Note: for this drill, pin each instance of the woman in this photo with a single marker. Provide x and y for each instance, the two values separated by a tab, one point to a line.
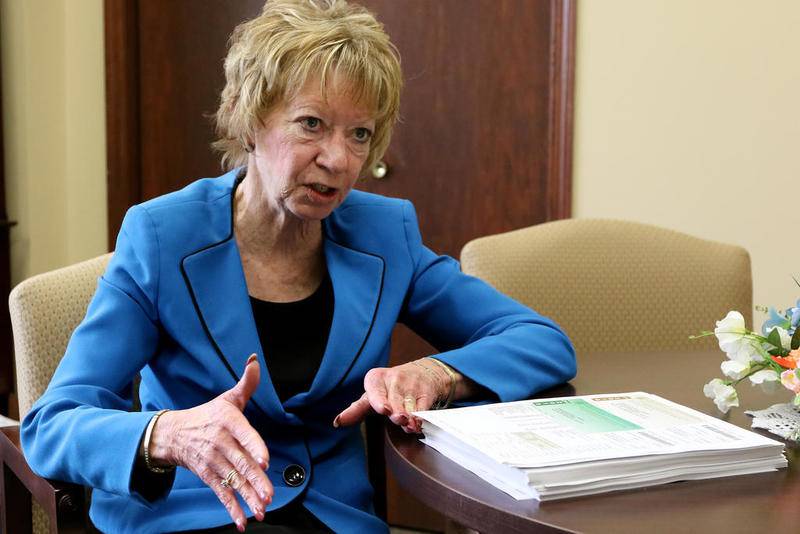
259	306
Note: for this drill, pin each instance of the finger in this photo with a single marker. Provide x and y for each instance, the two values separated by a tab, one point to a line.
398	415
229	475
424	401
410	390
355	413
251	473
239	395
249	439
241	484
376	391
225	495
410	423
402	395
413	426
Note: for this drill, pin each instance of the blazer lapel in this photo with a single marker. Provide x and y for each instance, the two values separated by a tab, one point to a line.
357	279
216	281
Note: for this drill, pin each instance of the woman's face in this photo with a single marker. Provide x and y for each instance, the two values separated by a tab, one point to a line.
310	151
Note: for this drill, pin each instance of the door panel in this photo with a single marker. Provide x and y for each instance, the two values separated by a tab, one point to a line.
180	89
471	152
163	79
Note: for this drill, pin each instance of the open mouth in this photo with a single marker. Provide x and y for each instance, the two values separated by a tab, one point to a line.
322	190
319	188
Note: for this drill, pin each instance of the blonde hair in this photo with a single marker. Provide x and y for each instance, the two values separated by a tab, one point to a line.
273	55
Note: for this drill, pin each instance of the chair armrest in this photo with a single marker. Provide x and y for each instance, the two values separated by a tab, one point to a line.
62	502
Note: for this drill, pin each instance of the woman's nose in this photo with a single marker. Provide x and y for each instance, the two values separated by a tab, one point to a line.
333	154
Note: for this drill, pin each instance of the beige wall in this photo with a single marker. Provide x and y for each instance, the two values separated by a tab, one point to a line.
688	116
54	131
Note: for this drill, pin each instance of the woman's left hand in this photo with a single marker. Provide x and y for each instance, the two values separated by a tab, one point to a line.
398	391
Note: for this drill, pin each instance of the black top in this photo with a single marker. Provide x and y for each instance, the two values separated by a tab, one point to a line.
294	336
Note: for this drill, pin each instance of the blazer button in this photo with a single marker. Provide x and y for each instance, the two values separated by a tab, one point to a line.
294	475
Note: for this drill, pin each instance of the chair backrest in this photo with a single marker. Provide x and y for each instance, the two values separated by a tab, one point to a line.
617	285
45	309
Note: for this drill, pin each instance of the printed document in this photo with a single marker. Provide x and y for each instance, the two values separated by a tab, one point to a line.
570	446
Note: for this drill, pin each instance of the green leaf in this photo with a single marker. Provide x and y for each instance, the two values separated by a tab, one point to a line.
774	339
796	339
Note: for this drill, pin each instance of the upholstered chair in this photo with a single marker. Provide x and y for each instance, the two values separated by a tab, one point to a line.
45	309
617	285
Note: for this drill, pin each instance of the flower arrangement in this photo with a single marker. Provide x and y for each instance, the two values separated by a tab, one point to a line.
764	359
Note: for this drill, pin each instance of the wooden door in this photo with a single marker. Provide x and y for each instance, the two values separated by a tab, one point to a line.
484	146
475	149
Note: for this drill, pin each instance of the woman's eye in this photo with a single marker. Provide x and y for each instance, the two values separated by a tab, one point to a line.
311	123
363	134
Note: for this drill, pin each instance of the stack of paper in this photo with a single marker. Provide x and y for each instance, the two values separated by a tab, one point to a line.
571	446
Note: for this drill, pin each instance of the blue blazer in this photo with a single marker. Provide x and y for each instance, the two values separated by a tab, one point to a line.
173	305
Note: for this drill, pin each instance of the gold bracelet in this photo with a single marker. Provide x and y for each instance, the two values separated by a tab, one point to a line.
148	433
436	377
452	375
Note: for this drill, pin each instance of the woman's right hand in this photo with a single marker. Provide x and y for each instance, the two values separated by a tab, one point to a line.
214	438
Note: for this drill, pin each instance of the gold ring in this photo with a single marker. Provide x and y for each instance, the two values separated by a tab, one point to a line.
409	401
227	482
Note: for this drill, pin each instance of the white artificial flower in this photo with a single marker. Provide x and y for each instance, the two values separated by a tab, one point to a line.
730	329
724	395
767	379
734	341
734	369
786	339
764	375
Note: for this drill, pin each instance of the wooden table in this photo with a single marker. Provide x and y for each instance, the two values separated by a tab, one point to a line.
768	502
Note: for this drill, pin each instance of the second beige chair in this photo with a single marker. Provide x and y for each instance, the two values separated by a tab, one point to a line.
617	285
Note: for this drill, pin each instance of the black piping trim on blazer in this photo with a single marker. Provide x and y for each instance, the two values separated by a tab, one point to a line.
377	304
191	291
228	238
